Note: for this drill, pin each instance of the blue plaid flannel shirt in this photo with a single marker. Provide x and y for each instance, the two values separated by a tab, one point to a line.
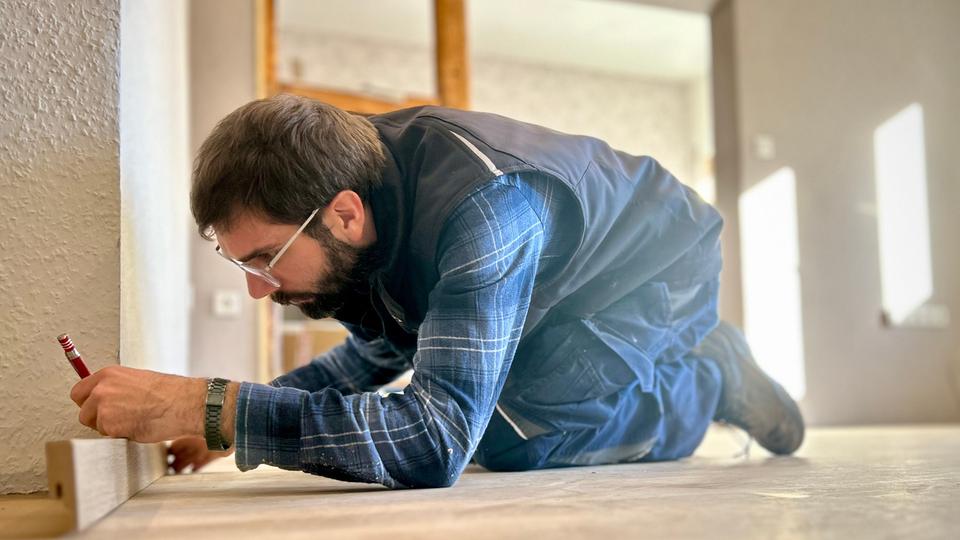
326	417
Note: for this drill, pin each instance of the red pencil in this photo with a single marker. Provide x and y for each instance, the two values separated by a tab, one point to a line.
73	356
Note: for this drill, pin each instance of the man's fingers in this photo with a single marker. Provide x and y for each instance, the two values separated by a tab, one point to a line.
182	461
88	414
183	455
179	463
181	444
81	391
190	451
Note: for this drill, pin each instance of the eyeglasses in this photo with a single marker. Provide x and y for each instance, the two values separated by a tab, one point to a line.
264	273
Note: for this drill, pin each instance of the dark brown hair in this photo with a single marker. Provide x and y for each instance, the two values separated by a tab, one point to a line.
282	157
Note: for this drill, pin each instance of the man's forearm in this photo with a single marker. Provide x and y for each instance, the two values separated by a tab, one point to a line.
353	367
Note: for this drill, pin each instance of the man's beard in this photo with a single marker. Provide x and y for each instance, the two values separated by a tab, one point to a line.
346	279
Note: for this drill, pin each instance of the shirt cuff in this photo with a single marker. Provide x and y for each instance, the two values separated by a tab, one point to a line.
268	426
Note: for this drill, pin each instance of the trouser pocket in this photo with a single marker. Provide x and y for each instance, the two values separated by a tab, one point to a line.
566	377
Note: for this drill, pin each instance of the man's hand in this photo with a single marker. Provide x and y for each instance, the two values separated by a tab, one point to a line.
192	451
141	405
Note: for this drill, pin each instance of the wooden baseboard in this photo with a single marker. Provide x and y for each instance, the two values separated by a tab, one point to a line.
33	515
91	477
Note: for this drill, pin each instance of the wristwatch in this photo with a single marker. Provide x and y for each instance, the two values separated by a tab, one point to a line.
216	393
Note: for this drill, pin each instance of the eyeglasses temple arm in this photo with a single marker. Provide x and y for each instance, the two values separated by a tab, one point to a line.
290	241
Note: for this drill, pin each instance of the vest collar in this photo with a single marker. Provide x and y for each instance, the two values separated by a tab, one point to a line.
389	204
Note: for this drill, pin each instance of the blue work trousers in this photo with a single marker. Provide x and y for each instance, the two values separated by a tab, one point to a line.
621	385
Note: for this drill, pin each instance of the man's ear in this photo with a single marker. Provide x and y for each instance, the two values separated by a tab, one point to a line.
345	216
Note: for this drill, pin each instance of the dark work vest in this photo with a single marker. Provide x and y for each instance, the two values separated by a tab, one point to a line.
636	222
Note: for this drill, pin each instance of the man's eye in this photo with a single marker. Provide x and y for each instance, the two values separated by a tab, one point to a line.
258	260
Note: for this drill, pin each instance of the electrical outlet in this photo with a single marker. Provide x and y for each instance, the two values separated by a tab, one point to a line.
226	304
764	147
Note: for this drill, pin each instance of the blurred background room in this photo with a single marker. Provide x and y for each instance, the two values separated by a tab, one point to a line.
822	130
825	131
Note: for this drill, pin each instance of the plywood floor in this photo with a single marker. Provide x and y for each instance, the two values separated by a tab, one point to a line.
898	482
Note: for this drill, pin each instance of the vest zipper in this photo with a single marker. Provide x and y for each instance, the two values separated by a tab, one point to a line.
476	151
393	308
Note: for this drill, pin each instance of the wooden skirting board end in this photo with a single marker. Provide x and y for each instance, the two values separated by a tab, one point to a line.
91	477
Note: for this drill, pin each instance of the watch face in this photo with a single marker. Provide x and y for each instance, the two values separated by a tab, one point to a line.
215	393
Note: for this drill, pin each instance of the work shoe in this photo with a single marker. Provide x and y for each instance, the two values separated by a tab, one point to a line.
750	399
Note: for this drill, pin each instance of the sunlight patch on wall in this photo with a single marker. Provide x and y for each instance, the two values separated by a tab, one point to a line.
771	280
903	221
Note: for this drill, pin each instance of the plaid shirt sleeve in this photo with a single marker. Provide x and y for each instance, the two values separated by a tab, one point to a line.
354	366
423	437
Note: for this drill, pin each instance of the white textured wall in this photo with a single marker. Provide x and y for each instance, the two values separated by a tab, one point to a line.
59	218
154	177
820	76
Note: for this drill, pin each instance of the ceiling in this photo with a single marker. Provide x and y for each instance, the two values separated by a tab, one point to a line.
613	36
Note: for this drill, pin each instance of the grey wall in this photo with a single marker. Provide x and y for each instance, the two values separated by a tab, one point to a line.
221	79
59	218
820	76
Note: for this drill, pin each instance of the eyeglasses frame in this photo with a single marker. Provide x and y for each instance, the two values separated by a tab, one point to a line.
264	273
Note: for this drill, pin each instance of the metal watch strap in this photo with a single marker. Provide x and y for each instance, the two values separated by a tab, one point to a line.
216	393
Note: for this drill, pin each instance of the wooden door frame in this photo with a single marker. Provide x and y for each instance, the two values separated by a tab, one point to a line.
451	59
452	68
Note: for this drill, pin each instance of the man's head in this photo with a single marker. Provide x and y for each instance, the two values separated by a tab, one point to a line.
261	173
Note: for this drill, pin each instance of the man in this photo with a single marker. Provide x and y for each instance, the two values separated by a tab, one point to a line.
556	300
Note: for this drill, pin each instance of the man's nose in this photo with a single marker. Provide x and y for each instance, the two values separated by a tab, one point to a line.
258	288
